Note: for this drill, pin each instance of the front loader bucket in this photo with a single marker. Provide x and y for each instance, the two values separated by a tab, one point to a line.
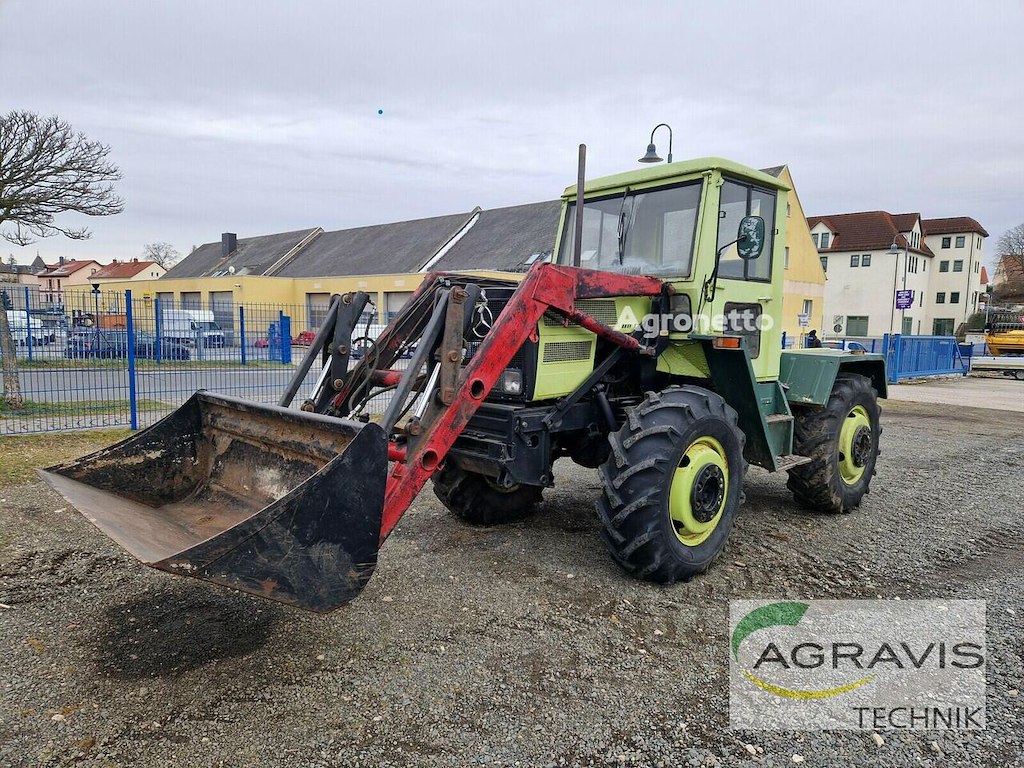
279	503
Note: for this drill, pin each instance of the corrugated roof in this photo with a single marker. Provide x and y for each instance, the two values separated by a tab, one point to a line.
864	231
252	256
952	226
379	249
504	239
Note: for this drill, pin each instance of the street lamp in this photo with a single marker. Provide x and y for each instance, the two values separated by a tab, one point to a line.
895	251
652	152
96	314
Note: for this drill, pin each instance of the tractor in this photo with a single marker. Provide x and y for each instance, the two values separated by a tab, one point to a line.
649	348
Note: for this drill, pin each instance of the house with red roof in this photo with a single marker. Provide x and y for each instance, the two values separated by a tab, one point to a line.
129	270
66	273
871	258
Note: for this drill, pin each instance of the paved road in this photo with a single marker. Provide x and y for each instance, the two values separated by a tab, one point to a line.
167	384
988	391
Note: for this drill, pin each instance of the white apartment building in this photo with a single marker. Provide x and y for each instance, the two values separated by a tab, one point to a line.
957	287
937	260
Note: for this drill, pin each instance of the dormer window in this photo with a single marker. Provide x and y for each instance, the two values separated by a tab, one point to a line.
824	240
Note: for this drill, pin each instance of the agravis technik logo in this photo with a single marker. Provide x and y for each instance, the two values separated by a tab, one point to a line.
857	664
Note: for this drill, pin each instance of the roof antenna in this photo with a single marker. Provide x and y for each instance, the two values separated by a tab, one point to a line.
578	240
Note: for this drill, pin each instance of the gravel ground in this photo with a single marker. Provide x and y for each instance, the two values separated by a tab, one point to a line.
519	645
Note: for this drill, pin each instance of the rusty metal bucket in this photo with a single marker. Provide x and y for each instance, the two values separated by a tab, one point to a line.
279	503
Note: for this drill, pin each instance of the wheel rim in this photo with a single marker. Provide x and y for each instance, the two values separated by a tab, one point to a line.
855	445
699	489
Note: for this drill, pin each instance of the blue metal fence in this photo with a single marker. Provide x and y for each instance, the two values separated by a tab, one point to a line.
93	358
909	357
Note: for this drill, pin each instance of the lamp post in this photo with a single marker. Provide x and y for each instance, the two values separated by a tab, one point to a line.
652	152
96	314
895	250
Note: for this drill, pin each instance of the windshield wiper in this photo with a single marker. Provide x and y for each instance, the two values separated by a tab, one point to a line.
623	228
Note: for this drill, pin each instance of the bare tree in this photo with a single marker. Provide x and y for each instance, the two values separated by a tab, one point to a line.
1010	250
47	169
163	254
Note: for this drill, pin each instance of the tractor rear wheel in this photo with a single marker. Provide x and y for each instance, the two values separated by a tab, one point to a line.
842	441
482	501
672	484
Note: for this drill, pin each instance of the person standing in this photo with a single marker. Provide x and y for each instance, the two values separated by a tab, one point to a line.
812	341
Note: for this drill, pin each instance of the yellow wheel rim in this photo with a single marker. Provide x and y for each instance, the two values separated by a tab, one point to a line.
700	488
855	445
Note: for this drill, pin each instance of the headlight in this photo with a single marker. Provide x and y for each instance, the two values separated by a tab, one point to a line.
681	311
512	382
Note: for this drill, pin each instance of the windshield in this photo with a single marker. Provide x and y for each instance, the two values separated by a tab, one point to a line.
649	232
207	325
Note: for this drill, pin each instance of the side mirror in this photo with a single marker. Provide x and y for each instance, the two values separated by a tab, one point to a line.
750	238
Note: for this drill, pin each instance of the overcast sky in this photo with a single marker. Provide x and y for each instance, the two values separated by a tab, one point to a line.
258	117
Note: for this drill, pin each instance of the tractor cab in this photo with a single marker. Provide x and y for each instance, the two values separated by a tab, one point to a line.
681	223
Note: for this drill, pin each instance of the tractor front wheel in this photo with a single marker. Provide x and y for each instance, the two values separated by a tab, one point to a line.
672	484
482	501
841	439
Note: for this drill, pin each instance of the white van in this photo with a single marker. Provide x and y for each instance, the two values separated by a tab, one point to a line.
19	329
189	326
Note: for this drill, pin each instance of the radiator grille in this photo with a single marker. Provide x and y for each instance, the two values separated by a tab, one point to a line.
602	310
567	351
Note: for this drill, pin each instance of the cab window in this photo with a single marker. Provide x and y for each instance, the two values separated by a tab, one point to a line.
736	201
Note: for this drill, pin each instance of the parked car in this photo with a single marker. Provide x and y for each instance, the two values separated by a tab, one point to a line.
849	346
304	339
90	343
145	347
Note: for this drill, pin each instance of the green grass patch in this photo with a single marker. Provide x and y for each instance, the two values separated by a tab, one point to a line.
20	456
32	408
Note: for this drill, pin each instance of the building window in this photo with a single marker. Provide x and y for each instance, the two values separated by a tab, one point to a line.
824	240
855	260
865	260
822	259
920	298
942	326
785	265
946	242
943	265
940	298
788	209
814	239
808	307
979	242
959	241
958	264
857	325
977	267
954	297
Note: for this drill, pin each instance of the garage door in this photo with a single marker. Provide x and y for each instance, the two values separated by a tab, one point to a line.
394	301
317	305
223	305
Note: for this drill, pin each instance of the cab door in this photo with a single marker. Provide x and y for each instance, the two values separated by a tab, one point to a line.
748	299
